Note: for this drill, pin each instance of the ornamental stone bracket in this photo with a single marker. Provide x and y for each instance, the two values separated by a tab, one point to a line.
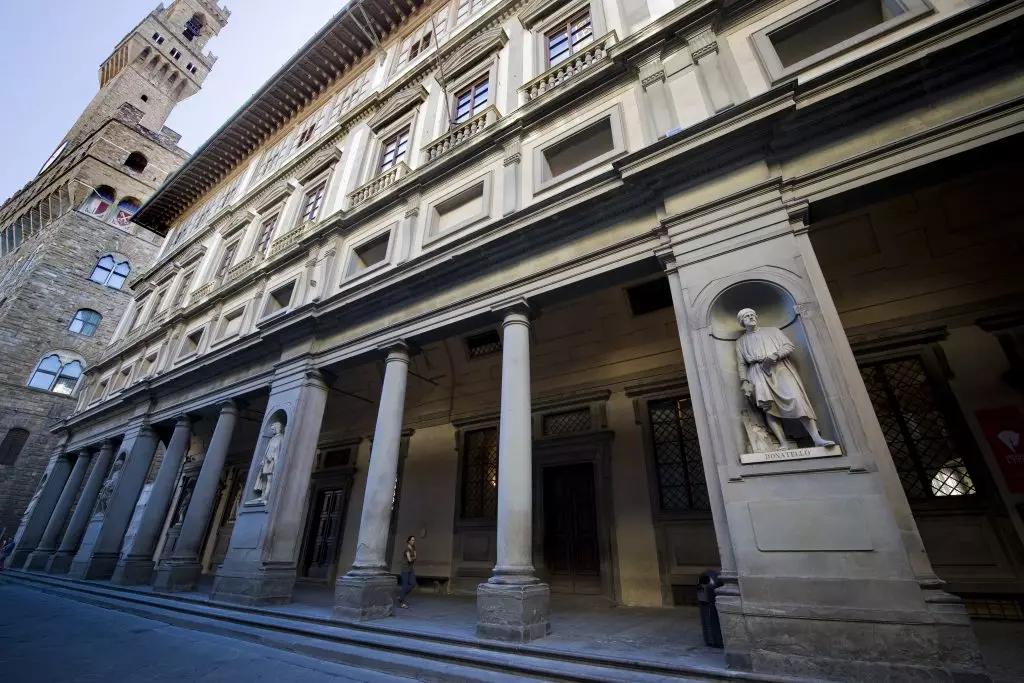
702	43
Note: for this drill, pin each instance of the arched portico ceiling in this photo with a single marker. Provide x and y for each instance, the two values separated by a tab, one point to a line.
346	39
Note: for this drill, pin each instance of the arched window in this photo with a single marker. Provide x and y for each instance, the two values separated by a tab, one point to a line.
110	272
173	78
126	208
10	447
56	374
144	54
85	322
194	26
100	201
136	161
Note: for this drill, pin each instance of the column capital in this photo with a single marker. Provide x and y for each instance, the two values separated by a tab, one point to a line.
183	420
515	311
229	406
84	453
396	350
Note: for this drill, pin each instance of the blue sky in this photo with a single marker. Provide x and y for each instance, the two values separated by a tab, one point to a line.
51	53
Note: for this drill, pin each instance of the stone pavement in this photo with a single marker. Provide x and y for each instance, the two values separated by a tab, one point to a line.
48	639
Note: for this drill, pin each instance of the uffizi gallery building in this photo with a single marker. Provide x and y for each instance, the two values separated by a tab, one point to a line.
590	297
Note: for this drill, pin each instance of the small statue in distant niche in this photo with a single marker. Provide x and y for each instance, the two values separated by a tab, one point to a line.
107	490
266	473
770	382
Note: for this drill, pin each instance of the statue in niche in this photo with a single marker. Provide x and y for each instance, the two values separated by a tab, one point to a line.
266	472
771	383
107	490
188	486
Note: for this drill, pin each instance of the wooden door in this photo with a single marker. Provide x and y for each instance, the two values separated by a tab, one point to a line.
324	541
571	554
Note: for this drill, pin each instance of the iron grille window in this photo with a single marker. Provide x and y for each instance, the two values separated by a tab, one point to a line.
567	422
480	474
916	429
677	461
483	344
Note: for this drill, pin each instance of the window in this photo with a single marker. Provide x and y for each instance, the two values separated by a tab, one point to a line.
917	429
157	38
678	468
393	149
193	27
420	45
176	53
480	474
272	158
110	272
99	201
483	344
266	234
53	157
648	297
312	127
191	68
144	98
56	375
226	257
126	210
416	44
140	306
471	101
566	422
828	27
279	299
158	302
353	93
313	202
468	8
190	344
578	150
370	254
85	322
10	447
136	161
569	38
182	291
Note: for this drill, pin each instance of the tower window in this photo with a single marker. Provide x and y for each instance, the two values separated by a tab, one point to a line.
57	375
176	53
157	38
194	26
110	273
85	322
191	68
136	161
144	98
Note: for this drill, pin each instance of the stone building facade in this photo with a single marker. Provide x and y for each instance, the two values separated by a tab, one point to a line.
68	247
472	271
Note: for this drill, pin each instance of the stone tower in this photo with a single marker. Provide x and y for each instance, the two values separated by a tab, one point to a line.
159	64
68	246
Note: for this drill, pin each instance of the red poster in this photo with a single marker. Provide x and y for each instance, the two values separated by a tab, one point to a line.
1004	430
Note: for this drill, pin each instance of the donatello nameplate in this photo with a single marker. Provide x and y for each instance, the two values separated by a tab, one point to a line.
791	454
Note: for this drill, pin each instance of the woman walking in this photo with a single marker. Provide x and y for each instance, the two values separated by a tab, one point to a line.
408	580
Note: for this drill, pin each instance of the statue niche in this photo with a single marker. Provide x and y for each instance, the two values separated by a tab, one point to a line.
268	463
107	490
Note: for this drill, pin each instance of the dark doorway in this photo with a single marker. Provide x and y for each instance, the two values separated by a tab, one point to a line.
571	554
324	540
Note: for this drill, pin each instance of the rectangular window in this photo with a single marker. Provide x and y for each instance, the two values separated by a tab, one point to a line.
279	299
579	149
313	202
569	38
483	344
190	344
231	323
393	150
480	474
266	234
370	254
186	282
470	101
158	302
225	260
677	463
927	458
468	8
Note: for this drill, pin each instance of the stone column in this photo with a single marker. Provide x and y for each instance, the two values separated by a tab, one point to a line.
37	522
262	558
367	591
97	560
48	543
181	572
136	564
60	561
826	574
513	604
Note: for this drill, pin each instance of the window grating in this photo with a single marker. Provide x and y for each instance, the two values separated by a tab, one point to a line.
483	344
480	474
916	430
994	608
677	461
567	422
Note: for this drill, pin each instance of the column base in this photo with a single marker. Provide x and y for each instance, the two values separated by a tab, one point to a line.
95	566
516	613
38	560
264	586
362	598
18	558
935	645
59	562
179	576
133	571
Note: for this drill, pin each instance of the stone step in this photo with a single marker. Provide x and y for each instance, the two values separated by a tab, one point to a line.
425	657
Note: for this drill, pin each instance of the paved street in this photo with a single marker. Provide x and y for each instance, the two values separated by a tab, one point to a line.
48	639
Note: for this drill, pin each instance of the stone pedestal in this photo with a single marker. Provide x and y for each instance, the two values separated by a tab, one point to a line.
59	562
361	598
513	613
79	565
267	585
177	576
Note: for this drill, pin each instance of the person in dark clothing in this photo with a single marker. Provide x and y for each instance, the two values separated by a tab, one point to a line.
408	581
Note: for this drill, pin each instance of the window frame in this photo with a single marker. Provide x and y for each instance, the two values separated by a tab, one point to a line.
395	135
765	48
463	432
182	287
264	237
348	274
471	89
317	187
542	181
64	362
567	24
95	324
226	259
